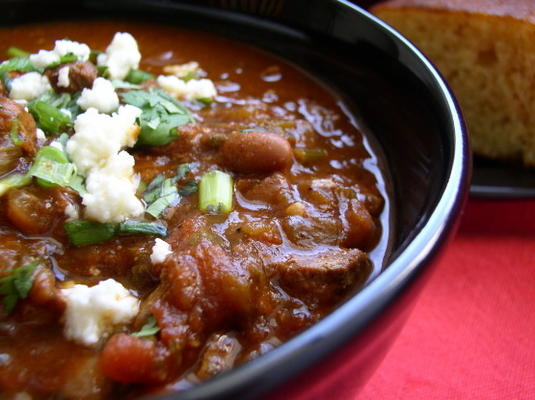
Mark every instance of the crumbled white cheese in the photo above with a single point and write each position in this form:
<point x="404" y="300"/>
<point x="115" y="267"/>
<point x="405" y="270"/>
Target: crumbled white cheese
<point x="101" y="96"/>
<point x="191" y="90"/>
<point x="40" y="134"/>
<point x="71" y="212"/>
<point x="160" y="251"/>
<point x="121" y="55"/>
<point x="93" y="312"/>
<point x="63" y="77"/>
<point x="29" y="86"/>
<point x="111" y="191"/>
<point x="99" y="136"/>
<point x="57" y="145"/>
<point x="62" y="47"/>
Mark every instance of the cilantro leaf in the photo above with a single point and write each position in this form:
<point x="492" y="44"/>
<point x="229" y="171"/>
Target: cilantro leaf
<point x="162" y="192"/>
<point x="149" y="329"/>
<point x="160" y="117"/>
<point x="16" y="285"/>
<point x="21" y="64"/>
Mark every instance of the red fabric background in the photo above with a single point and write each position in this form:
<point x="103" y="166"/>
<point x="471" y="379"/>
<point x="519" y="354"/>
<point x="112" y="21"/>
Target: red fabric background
<point x="472" y="332"/>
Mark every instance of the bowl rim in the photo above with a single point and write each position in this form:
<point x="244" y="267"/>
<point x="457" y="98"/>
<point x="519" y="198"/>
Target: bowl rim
<point x="367" y="304"/>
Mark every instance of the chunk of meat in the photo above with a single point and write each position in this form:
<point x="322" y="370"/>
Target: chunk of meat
<point x="322" y="278"/>
<point x="219" y="355"/>
<point x="256" y="152"/>
<point x="360" y="231"/>
<point x="17" y="130"/>
<point x="128" y="359"/>
<point x="81" y="75"/>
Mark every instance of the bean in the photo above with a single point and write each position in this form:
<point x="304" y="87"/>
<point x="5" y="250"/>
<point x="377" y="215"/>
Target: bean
<point x="256" y="152"/>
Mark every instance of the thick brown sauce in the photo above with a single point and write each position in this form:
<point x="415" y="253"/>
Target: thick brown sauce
<point x="255" y="90"/>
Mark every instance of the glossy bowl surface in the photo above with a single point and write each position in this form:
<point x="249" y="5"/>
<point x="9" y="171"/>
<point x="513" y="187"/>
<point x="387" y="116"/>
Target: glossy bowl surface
<point x="414" y="120"/>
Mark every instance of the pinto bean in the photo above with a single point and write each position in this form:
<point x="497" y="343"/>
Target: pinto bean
<point x="256" y="152"/>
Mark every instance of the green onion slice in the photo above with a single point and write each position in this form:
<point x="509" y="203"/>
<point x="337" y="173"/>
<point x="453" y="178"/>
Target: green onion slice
<point x="14" y="180"/>
<point x="137" y="76"/>
<point x="143" y="228"/>
<point x="215" y="192"/>
<point x="13" y="52"/>
<point x="82" y="233"/>
<point x="51" y="120"/>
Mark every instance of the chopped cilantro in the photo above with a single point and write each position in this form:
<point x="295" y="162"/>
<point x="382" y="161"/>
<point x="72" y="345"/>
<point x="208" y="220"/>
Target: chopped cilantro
<point x="21" y="64"/>
<point x="16" y="285"/>
<point x="162" y="192"/>
<point x="149" y="329"/>
<point x="161" y="116"/>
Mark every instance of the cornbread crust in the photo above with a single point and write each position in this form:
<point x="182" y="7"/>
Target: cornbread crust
<point x="486" y="52"/>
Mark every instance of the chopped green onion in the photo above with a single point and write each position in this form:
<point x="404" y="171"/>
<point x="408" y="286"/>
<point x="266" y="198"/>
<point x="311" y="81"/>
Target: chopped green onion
<point x="117" y="84"/>
<point x="205" y="101"/>
<point x="137" y="76"/>
<point x="93" y="55"/>
<point x="160" y="117"/>
<point x="310" y="156"/>
<point x="51" y="167"/>
<point x="67" y="58"/>
<point x="49" y="118"/>
<point x="62" y="100"/>
<point x="103" y="71"/>
<point x="191" y="75"/>
<point x="14" y="180"/>
<point x="143" y="228"/>
<point x="14" y="133"/>
<point x="17" y="285"/>
<point x="16" y="52"/>
<point x="215" y="193"/>
<point x="82" y="233"/>
<point x="149" y="329"/>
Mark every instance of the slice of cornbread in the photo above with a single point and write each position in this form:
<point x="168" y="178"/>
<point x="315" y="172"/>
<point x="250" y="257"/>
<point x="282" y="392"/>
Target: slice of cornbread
<point x="486" y="51"/>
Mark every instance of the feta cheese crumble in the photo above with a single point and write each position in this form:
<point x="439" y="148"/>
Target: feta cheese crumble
<point x="111" y="191"/>
<point x="121" y="55"/>
<point x="40" y="134"/>
<point x="62" y="47"/>
<point x="101" y="96"/>
<point x="99" y="136"/>
<point x="63" y="77"/>
<point x="191" y="90"/>
<point x="93" y="312"/>
<point x="160" y="251"/>
<point x="71" y="212"/>
<point x="29" y="86"/>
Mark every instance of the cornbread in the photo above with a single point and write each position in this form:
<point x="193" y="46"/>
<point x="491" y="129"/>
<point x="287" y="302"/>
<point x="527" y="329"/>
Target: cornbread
<point x="486" y="51"/>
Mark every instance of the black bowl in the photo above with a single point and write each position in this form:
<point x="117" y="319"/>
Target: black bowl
<point x="414" y="119"/>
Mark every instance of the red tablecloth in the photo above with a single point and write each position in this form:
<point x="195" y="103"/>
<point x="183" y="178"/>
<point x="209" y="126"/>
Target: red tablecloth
<point x="472" y="332"/>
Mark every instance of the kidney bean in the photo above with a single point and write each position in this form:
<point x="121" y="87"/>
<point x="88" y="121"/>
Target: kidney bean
<point x="256" y="152"/>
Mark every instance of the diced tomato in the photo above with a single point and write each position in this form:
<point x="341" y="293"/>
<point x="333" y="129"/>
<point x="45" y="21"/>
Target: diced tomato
<point x="128" y="359"/>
